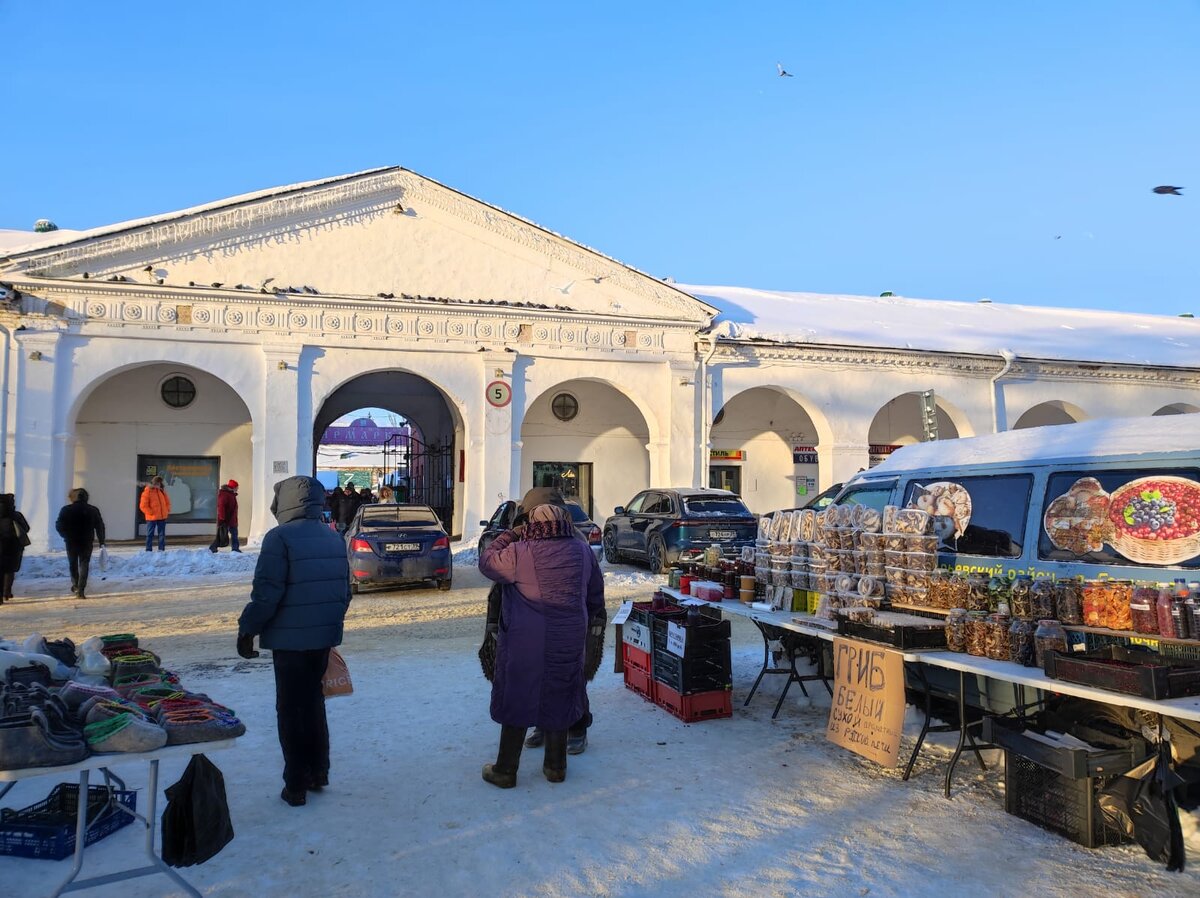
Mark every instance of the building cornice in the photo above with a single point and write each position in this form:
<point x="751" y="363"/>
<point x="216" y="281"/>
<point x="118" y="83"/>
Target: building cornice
<point x="961" y="364"/>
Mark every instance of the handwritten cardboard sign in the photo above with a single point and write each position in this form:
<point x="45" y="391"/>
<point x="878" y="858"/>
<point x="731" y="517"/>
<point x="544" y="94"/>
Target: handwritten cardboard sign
<point x="867" y="710"/>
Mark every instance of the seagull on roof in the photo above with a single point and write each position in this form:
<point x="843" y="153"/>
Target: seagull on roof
<point x="783" y="73"/>
<point x="1167" y="189"/>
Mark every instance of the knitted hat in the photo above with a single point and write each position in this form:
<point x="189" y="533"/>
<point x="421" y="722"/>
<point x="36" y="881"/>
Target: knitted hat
<point x="233" y="484"/>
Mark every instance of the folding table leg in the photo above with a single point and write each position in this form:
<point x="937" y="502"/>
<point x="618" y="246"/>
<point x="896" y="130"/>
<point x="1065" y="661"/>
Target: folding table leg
<point x="151" y="823"/>
<point x="924" y="726"/>
<point x="80" y="833"/>
<point x="766" y="661"/>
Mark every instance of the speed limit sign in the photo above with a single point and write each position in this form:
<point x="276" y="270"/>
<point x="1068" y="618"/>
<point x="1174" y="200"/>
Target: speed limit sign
<point x="499" y="393"/>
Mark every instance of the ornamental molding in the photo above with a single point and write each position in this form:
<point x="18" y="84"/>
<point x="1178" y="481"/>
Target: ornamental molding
<point x="983" y="367"/>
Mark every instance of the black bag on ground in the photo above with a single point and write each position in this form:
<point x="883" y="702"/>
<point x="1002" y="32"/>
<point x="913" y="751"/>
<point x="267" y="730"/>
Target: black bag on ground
<point x="222" y="536"/>
<point x="195" y="822"/>
<point x="1142" y="805"/>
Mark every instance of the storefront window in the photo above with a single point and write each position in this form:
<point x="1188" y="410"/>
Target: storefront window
<point x="976" y="515"/>
<point x="1126" y="517"/>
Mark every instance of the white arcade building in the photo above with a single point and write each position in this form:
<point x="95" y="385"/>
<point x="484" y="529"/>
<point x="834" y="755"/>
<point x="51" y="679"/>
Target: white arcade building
<point x="220" y="341"/>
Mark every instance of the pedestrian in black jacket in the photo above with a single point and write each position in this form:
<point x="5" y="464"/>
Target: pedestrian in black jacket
<point x="77" y="524"/>
<point x="14" y="537"/>
<point x="347" y="508"/>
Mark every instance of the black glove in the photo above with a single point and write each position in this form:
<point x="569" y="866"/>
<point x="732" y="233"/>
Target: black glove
<point x="245" y="646"/>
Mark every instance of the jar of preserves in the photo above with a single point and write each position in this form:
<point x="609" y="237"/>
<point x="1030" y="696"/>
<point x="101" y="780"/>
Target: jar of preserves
<point x="1068" y="601"/>
<point x="1020" y="643"/>
<point x="977" y="624"/>
<point x="996" y="637"/>
<point x="1049" y="637"/>
<point x="1041" y="597"/>
<point x="1143" y="609"/>
<point x="1095" y="603"/>
<point x="1120" y="595"/>
<point x="956" y="630"/>
<point x="977" y="593"/>
<point x="1019" y="601"/>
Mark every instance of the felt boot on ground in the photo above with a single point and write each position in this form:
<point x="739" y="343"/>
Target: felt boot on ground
<point x="555" y="764"/>
<point x="536" y="738"/>
<point x="504" y="772"/>
<point x="6" y="586"/>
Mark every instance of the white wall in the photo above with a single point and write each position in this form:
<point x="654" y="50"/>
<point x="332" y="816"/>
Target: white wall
<point x="126" y="417"/>
<point x="609" y="432"/>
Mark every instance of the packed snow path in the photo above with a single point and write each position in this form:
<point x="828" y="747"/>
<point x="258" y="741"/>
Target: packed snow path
<point x="740" y="807"/>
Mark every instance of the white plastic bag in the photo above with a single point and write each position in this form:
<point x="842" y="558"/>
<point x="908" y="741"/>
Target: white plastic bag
<point x="95" y="664"/>
<point x="103" y="561"/>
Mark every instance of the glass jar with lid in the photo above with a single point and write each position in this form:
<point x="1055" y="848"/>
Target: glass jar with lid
<point x="1020" y="643"/>
<point x="1041" y="596"/>
<point x="996" y="637"/>
<point x="1049" y="637"/>
<point x="977" y="593"/>
<point x="977" y="624"/>
<point x="1019" y="601"/>
<point x="956" y="630"/>
<point x="1068" y="600"/>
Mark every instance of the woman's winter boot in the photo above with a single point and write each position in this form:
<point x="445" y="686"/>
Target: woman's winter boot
<point x="7" y="585"/>
<point x="555" y="764"/>
<point x="504" y="772"/>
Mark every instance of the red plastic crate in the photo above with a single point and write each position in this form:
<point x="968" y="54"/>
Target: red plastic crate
<point x="640" y="682"/>
<point x="632" y="656"/>
<point x="695" y="707"/>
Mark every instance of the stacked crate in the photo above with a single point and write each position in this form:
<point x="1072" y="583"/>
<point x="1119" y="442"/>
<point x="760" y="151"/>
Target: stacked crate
<point x="691" y="666"/>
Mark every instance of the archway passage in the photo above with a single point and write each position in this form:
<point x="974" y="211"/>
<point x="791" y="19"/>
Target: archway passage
<point x="167" y="420"/>
<point x="1047" y="414"/>
<point x="900" y="423"/>
<point x="589" y="440"/>
<point x="1178" y="408"/>
<point x="423" y="455"/>
<point x="764" y="448"/>
<point x="369" y="447"/>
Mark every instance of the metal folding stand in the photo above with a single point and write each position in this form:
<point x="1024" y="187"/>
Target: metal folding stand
<point x="963" y="728"/>
<point x="792" y="643"/>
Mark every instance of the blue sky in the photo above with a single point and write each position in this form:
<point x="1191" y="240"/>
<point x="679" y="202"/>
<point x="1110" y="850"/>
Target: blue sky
<point x="952" y="150"/>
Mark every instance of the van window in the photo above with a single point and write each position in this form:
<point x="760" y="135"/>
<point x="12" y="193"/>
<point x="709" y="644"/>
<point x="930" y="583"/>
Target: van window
<point x="876" y="495"/>
<point x="976" y="515"/>
<point x="1129" y="517"/>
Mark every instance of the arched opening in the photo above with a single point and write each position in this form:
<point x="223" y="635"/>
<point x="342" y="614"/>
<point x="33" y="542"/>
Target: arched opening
<point x="423" y="454"/>
<point x="764" y="448"/>
<point x="901" y="422"/>
<point x="589" y="440"/>
<point x="167" y="420"/>
<point x="1047" y="414"/>
<point x="1178" y="408"/>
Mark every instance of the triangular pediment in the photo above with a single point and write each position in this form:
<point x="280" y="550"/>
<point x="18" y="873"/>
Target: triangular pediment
<point x="387" y="232"/>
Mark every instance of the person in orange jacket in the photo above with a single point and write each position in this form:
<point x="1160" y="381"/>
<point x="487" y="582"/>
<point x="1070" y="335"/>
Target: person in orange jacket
<point x="155" y="506"/>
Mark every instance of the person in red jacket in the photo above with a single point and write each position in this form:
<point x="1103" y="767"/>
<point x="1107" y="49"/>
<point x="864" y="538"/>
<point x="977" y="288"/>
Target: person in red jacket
<point x="156" y="508"/>
<point x="227" y="507"/>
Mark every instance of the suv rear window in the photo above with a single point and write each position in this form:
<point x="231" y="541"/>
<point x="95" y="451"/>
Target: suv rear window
<point x="1126" y="517"/>
<point x="714" y="506"/>
<point x="976" y="515"/>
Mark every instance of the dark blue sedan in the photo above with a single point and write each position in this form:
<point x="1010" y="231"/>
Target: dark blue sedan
<point x="664" y="526"/>
<point x="390" y="545"/>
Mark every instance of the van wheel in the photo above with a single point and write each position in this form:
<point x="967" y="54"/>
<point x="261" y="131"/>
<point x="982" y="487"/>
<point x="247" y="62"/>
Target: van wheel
<point x="656" y="555"/>
<point x="611" y="555"/>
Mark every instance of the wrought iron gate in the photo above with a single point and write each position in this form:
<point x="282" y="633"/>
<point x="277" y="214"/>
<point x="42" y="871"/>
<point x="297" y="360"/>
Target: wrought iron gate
<point x="422" y="474"/>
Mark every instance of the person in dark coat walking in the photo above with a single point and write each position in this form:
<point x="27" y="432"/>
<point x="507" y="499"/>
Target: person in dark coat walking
<point x="14" y="537"/>
<point x="227" y="509"/>
<point x="346" y="508"/>
<point x="78" y="523"/>
<point x="552" y="586"/>
<point x="297" y="607"/>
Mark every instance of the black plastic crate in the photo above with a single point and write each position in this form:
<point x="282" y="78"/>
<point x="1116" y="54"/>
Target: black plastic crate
<point x="47" y="829"/>
<point x="1130" y="671"/>
<point x="901" y="636"/>
<point x="688" y="676"/>
<point x="1056" y="802"/>
<point x="1075" y="763"/>
<point x="644" y="614"/>
<point x="696" y="636"/>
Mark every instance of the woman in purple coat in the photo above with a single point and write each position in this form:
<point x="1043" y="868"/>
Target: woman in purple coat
<point x="552" y="585"/>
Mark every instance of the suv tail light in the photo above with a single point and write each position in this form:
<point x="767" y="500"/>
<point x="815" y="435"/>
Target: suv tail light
<point x="595" y="538"/>
<point x="359" y="545"/>
<point x="442" y="542"/>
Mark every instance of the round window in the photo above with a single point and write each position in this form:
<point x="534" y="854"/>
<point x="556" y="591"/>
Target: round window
<point x="565" y="406"/>
<point x="178" y="391"/>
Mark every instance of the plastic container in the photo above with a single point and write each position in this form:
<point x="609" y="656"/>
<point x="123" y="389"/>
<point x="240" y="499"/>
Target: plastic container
<point x="1041" y="597"/>
<point x="956" y="630"/>
<point x="1068" y="601"/>
<point x="1143" y="609"/>
<point x="977" y="593"/>
<point x="1019" y="601"/>
<point x="996" y="637"/>
<point x="977" y="625"/>
<point x="1021" y="649"/>
<point x="1049" y="637"/>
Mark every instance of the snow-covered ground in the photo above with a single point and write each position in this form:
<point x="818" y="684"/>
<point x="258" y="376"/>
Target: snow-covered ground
<point x="739" y="807"/>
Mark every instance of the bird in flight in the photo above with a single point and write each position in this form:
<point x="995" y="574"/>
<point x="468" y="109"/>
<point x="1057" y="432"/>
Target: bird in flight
<point x="1165" y="189"/>
<point x="783" y="73"/>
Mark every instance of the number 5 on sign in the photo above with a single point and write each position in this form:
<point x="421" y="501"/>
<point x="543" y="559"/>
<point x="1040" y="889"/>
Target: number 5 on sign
<point x="498" y="393"/>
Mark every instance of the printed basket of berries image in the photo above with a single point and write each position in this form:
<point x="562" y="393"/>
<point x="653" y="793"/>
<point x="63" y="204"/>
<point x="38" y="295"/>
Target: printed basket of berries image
<point x="1156" y="520"/>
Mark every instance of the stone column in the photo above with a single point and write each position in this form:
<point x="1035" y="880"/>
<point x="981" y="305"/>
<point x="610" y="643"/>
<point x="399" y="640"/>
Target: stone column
<point x="40" y="440"/>
<point x="275" y="440"/>
<point x="682" y="463"/>
<point x="500" y="458"/>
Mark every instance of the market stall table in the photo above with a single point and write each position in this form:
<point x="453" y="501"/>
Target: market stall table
<point x="102" y="762"/>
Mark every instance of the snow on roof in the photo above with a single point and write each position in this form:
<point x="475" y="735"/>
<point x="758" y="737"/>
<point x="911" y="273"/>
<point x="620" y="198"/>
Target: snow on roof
<point x="985" y="328"/>
<point x="1103" y="438"/>
<point x="23" y="240"/>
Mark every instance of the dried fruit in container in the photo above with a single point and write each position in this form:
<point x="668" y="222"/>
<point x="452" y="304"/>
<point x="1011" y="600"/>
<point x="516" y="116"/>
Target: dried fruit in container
<point x="1020" y="603"/>
<point x="956" y="630"/>
<point x="1068" y="601"/>
<point x="1041" y="596"/>
<point x="1143" y="609"/>
<point x="1049" y="637"/>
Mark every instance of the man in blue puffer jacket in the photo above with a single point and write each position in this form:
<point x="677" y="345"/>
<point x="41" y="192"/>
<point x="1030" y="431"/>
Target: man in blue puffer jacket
<point x="297" y="606"/>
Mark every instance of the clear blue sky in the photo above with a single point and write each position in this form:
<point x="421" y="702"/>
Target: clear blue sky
<point x="935" y="149"/>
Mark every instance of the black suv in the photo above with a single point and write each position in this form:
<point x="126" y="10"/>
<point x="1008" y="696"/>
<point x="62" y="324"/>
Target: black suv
<point x="664" y="526"/>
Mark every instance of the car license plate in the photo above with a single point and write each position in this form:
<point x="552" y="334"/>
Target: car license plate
<point x="721" y="534"/>
<point x="401" y="547"/>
